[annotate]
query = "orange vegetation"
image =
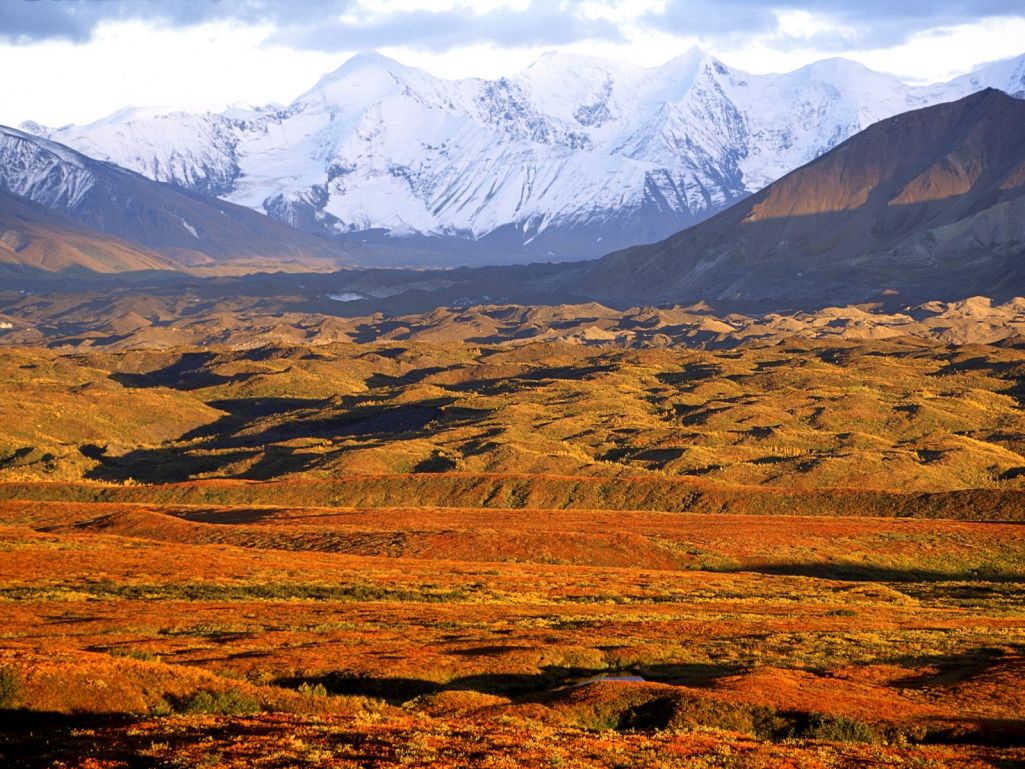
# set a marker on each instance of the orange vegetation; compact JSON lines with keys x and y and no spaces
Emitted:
{"x":438,"y":635}
{"x":549,"y":555}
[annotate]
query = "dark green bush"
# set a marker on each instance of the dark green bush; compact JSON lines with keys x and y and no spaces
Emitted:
{"x":230,"y":702}
{"x":841,"y":729}
{"x":134,"y":654}
{"x":10,"y":688}
{"x":315,"y":690}
{"x":685,"y":713}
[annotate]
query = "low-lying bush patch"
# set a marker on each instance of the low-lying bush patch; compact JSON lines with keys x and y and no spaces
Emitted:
{"x":230,"y":702}
{"x":841,"y":729}
{"x":10,"y":688}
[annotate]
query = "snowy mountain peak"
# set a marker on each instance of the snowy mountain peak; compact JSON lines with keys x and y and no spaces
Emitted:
{"x":135,"y":114}
{"x":1007,"y":76}
{"x":361,"y":66}
{"x":553,"y":63}
{"x":572,"y":157}
{"x":369,"y":60}
{"x":32,"y":127}
{"x":838,"y":65}
{"x":42,"y":171}
{"x":691,"y":59}
{"x":845,"y":73}
{"x":363,"y":80}
{"x":689,"y":65}
{"x":12,"y":137}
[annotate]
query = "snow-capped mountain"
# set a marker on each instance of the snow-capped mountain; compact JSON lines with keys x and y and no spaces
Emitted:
{"x":572,"y":158}
{"x":50,"y":190}
{"x":43,"y":172}
{"x":929,"y":203}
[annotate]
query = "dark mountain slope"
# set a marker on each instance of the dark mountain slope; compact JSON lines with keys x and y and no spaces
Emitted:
{"x":930,"y":203}
{"x":188,"y":229}
{"x":38,"y":239}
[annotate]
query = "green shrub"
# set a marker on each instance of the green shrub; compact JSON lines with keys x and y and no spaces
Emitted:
{"x":769,"y":724}
{"x":693,"y":712}
{"x":230,"y":702}
{"x":161,"y":708}
{"x":689,"y":712}
{"x":134,"y":654}
{"x":317,"y":690}
{"x":841,"y":729}
{"x":10,"y":688}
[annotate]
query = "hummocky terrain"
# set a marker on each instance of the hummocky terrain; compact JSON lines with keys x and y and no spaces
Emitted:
{"x":250,"y":313}
{"x":447,"y":554}
{"x":572,"y":158}
{"x":816,"y":415}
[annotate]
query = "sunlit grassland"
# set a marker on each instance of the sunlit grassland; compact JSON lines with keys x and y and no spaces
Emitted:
{"x":434,"y":555}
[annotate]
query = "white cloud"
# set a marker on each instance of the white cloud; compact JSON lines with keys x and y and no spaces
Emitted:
{"x":799,"y":24}
{"x":933,"y":56}
{"x":478,"y":7}
{"x":482,"y":60}
{"x":195,"y":68}
{"x":620,"y":11}
{"x":216,"y":64}
{"x":946,"y":52}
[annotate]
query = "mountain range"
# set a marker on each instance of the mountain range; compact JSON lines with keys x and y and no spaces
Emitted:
{"x":927,"y":204}
{"x":573,"y":158}
{"x":62,"y":209}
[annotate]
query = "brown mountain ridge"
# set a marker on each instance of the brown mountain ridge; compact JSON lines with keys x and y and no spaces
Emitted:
{"x":930,"y":203}
{"x":33,"y":238}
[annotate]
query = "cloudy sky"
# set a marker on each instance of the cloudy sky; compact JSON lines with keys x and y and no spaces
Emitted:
{"x":78,"y":60}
